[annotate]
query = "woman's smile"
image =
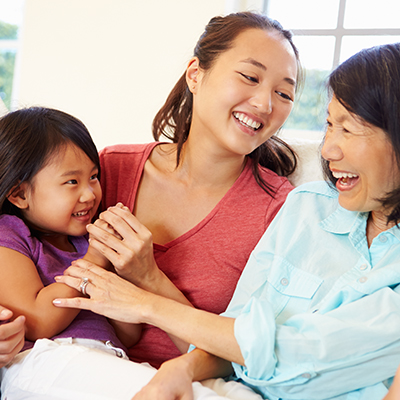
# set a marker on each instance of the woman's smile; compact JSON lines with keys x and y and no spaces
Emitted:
{"x":345,"y":180}
{"x":248,"y":93}
{"x":249,"y":124}
{"x":361,"y":158}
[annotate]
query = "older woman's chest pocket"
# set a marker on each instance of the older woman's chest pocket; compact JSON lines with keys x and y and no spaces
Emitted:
{"x":288,"y":286}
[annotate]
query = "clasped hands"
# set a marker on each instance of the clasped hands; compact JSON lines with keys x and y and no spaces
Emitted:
{"x":119,"y":237}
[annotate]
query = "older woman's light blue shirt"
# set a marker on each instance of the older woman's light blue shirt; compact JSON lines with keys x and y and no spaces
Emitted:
{"x":317,"y":311}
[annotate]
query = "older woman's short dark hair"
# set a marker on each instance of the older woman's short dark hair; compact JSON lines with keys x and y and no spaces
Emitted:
{"x":368,"y":85}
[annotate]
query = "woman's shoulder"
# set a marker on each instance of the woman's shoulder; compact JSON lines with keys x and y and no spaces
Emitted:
{"x":279,"y":186}
{"x":127,"y":149}
{"x":317,"y":198}
{"x":125,"y":156}
{"x":317,"y":188}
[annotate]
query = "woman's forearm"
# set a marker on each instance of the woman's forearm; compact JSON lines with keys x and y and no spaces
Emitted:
{"x":207,"y":331}
{"x":174,"y":378}
{"x":115,"y":298}
{"x":200,"y":365}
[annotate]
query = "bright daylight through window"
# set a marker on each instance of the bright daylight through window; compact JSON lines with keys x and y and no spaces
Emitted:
{"x":11,"y":12}
{"x":328,"y":32}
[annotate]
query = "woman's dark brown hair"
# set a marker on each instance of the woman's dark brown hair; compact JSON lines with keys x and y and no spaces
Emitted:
{"x":174,"y":118}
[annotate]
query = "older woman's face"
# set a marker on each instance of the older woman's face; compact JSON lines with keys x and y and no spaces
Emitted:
{"x":361,"y":158}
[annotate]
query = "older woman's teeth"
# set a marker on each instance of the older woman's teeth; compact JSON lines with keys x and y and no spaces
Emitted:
{"x":344,"y":177}
{"x":340,"y":175}
{"x":246,"y":121}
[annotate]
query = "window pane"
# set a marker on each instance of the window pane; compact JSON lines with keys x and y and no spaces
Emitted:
{"x":11,"y":13}
{"x":305,"y":14}
{"x":372,"y":14}
{"x":316,"y":52}
{"x":353,"y":44}
{"x":309,"y":111}
{"x":7,"y":61}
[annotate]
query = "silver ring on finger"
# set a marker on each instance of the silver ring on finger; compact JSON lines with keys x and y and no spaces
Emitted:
{"x":82,"y":287}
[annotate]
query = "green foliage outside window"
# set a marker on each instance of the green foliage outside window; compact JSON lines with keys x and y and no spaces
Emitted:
{"x":7,"y":62}
{"x":309,"y":111}
{"x":8,"y":31}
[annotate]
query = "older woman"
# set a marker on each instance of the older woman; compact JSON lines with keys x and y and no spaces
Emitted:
{"x":316,"y":311}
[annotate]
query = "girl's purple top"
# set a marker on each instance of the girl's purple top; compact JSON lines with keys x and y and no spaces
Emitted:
{"x":50,"y":262}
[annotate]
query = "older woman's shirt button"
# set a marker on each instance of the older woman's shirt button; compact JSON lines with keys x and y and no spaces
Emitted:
{"x":284,"y":282}
{"x":383,"y":238}
{"x":363,"y":267}
{"x":363,"y":279}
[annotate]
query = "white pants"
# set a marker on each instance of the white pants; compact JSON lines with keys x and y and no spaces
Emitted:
{"x":79,"y":369}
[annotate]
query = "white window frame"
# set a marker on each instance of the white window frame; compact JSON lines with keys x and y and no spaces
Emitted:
{"x":338,"y":33}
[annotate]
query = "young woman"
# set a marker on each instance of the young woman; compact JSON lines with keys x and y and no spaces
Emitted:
{"x":213,"y":189}
{"x":315,"y":314}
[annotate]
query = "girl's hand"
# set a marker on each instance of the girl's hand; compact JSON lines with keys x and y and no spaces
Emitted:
{"x":129,"y":247}
{"x":110,"y":295}
{"x":94,"y":255}
{"x":11,"y":336}
{"x":172,"y":381}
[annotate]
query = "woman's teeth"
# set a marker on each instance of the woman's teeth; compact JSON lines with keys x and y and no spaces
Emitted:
{"x":344,"y":177}
{"x":80,"y":214}
{"x":340,"y":175}
{"x":246,"y":121}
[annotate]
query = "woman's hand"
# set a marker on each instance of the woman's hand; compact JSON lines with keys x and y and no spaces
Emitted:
{"x":172,"y":381}
{"x":11,"y":336}
{"x":110,"y":295}
{"x":129,"y":247}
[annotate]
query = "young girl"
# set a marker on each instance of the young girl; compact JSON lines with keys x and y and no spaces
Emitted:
{"x":49,"y":192}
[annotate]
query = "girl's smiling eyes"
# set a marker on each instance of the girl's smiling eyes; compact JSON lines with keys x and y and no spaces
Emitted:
{"x":73,"y":181}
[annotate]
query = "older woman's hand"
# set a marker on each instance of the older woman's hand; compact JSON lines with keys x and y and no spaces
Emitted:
{"x":129,"y":248}
{"x":12,"y":336}
{"x":110,"y":295}
{"x":172,"y":381}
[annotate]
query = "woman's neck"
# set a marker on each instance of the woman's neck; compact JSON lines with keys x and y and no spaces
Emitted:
{"x":377,"y":222}
{"x":203,"y":166}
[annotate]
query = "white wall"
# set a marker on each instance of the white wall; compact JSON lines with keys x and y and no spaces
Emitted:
{"x":111,"y":63}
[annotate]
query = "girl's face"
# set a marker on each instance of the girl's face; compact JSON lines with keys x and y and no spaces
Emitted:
{"x":63,"y":197}
{"x":361,"y":157}
{"x":247,"y":94}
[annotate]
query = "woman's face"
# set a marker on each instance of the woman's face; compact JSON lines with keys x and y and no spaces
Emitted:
{"x":247,"y":94}
{"x":361,"y":158}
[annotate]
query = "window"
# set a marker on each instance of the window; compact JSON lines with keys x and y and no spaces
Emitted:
{"x":328,"y":32}
{"x":10,"y":24}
